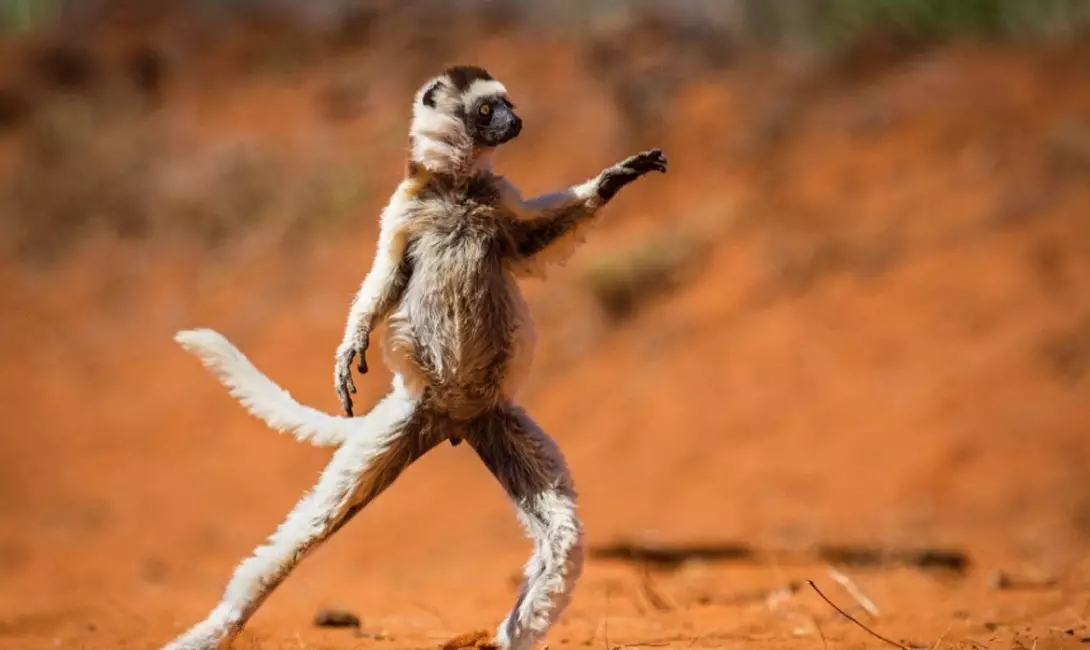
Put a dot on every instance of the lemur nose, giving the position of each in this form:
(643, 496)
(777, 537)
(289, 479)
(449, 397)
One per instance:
(517, 127)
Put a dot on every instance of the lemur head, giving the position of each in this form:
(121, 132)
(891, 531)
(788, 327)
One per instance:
(459, 118)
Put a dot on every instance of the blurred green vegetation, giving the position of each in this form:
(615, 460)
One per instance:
(26, 15)
(827, 22)
(846, 20)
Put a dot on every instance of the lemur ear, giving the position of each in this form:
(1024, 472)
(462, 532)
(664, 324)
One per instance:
(429, 95)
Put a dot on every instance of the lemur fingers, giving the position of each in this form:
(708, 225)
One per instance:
(646, 161)
(628, 170)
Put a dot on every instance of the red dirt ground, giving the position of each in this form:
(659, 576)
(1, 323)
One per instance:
(888, 343)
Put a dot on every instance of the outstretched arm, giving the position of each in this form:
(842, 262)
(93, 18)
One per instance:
(549, 227)
(380, 291)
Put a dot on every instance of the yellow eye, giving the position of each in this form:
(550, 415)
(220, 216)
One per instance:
(485, 109)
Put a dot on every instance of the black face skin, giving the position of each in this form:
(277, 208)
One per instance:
(491, 121)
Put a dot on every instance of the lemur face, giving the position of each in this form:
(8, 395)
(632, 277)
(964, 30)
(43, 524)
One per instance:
(478, 102)
(491, 121)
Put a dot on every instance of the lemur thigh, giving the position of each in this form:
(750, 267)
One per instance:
(361, 469)
(535, 476)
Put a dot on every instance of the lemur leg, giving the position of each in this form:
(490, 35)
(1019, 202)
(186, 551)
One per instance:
(359, 471)
(532, 470)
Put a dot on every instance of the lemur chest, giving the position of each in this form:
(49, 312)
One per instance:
(461, 232)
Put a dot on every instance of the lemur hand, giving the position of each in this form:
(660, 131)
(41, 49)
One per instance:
(628, 170)
(342, 379)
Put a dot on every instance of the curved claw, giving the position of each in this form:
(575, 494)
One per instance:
(343, 382)
(346, 401)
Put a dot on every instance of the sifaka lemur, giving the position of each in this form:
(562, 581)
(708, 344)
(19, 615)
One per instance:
(453, 240)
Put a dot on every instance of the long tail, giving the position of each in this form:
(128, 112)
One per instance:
(261, 396)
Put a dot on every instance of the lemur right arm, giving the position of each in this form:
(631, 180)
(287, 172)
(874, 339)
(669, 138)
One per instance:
(548, 227)
(379, 292)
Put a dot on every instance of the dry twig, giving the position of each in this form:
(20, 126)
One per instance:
(855, 620)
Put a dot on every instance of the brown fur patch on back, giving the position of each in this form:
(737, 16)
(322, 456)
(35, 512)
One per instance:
(476, 640)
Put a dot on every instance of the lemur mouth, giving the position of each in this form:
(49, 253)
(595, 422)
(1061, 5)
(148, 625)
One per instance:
(512, 131)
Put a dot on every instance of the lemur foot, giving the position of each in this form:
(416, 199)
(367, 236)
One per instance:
(206, 635)
(628, 170)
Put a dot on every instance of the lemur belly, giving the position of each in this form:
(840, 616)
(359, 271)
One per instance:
(462, 330)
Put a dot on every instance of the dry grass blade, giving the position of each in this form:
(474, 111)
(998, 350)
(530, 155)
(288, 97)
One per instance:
(605, 623)
(855, 620)
(854, 591)
(651, 592)
(824, 643)
(942, 636)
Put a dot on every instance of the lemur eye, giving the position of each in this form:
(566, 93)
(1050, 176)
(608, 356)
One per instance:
(485, 109)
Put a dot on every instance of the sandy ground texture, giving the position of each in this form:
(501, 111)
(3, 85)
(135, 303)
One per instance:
(883, 343)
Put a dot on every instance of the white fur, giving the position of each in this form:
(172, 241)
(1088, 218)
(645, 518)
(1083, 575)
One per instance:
(483, 88)
(344, 483)
(391, 250)
(551, 573)
(262, 397)
(440, 141)
(322, 505)
(439, 138)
